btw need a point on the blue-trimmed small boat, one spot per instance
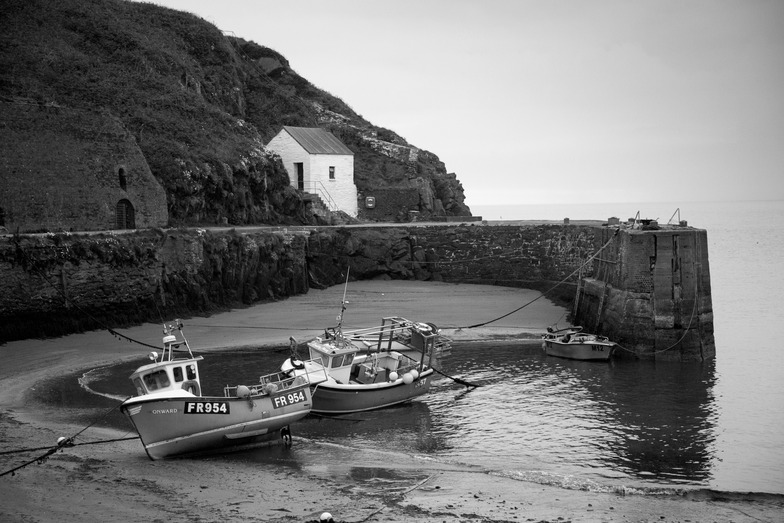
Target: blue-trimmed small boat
(173, 418)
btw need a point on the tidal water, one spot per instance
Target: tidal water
(624, 425)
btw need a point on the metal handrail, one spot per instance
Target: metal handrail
(318, 189)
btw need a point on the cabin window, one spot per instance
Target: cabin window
(139, 387)
(331, 172)
(156, 380)
(342, 361)
(177, 374)
(191, 370)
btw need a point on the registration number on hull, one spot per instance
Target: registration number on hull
(207, 407)
(284, 400)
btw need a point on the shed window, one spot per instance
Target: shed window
(331, 172)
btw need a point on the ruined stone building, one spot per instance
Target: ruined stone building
(64, 169)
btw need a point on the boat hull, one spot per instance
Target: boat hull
(174, 426)
(587, 351)
(336, 398)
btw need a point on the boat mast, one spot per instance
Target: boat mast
(339, 328)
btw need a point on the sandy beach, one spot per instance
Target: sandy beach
(117, 482)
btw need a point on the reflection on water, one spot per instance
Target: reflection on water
(579, 424)
(617, 420)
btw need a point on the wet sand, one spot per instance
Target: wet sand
(117, 482)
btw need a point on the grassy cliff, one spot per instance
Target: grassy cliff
(200, 105)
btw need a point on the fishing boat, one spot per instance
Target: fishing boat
(370, 368)
(574, 344)
(174, 418)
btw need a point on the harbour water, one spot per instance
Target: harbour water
(741, 441)
(618, 426)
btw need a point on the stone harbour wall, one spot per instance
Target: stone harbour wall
(647, 290)
(651, 293)
(58, 284)
(53, 284)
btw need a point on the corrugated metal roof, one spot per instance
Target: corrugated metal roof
(317, 141)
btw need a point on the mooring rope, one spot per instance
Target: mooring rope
(685, 332)
(61, 444)
(96, 442)
(542, 295)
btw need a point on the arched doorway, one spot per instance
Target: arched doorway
(125, 215)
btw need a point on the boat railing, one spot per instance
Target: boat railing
(268, 384)
(407, 366)
(315, 372)
(397, 328)
(386, 329)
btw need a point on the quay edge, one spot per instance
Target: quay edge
(647, 290)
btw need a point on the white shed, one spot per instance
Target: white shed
(319, 164)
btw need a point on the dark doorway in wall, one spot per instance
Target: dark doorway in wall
(123, 180)
(300, 175)
(125, 215)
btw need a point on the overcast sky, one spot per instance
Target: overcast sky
(537, 101)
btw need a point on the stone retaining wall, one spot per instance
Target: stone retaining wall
(647, 290)
(53, 284)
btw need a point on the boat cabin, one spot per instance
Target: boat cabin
(337, 361)
(170, 375)
(346, 365)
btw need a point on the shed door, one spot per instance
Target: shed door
(300, 175)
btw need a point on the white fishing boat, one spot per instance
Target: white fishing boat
(574, 344)
(173, 417)
(369, 368)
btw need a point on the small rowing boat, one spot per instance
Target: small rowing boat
(574, 344)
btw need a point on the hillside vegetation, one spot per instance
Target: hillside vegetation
(201, 105)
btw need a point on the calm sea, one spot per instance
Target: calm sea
(624, 425)
(735, 420)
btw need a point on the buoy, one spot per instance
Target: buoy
(393, 376)
(414, 373)
(408, 379)
(326, 517)
(270, 388)
(243, 391)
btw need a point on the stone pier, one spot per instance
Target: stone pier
(650, 292)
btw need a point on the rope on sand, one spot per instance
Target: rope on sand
(416, 486)
(61, 444)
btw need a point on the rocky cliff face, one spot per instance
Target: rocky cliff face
(201, 105)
